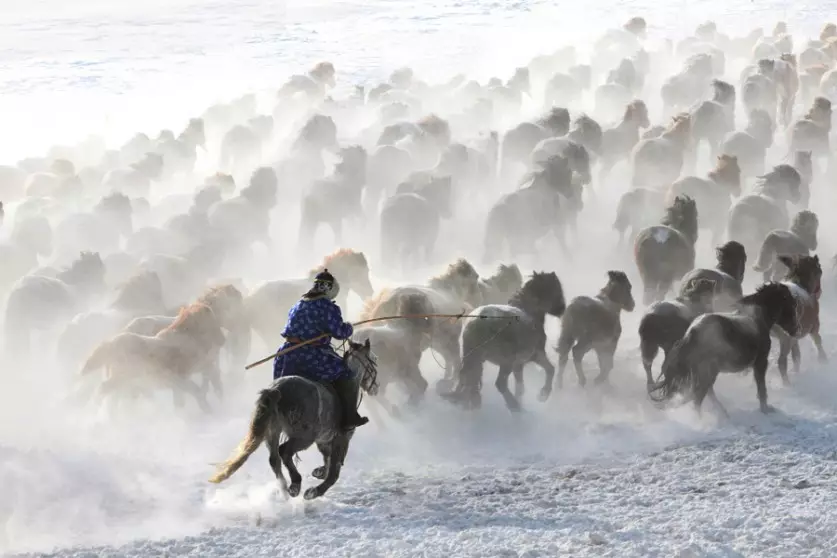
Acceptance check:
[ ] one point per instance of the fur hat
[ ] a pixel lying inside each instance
(325, 285)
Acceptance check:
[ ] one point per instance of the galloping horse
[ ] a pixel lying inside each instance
(304, 412)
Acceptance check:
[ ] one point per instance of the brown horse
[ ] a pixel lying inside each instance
(804, 279)
(170, 357)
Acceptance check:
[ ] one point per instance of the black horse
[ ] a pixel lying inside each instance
(665, 322)
(728, 342)
(727, 275)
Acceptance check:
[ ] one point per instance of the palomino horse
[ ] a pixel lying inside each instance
(305, 413)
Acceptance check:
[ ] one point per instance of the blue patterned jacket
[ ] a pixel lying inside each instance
(317, 361)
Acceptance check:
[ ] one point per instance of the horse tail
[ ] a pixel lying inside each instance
(765, 256)
(259, 425)
(676, 372)
(99, 358)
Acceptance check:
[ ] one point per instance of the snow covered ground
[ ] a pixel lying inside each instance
(586, 474)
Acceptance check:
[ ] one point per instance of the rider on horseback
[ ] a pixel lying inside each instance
(316, 314)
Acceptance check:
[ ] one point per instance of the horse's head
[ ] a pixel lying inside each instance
(805, 271)
(728, 172)
(263, 188)
(805, 225)
(579, 160)
(682, 215)
(700, 292)
(804, 163)
(557, 121)
(619, 290)
(784, 182)
(637, 112)
(761, 125)
(766, 66)
(732, 259)
(544, 291)
(364, 365)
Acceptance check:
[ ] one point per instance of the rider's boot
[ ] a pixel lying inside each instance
(347, 391)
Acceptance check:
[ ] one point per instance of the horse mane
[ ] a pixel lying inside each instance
(680, 124)
(802, 269)
(726, 166)
(558, 118)
(339, 255)
(697, 289)
(220, 292)
(372, 304)
(819, 107)
(116, 202)
(804, 219)
(632, 109)
(766, 292)
(186, 316)
(586, 123)
(460, 269)
(434, 126)
(614, 277)
(537, 286)
(556, 166)
(86, 263)
(139, 284)
(724, 91)
(682, 216)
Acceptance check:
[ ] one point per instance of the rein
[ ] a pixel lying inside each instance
(453, 318)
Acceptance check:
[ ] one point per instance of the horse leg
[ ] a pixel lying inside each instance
(581, 348)
(785, 343)
(417, 385)
(517, 371)
(502, 385)
(795, 356)
(605, 357)
(276, 464)
(287, 451)
(715, 401)
(707, 373)
(213, 378)
(817, 338)
(542, 360)
(565, 344)
(449, 347)
(648, 350)
(334, 462)
(320, 472)
(759, 374)
(182, 384)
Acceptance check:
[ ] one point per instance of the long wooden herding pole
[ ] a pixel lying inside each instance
(381, 319)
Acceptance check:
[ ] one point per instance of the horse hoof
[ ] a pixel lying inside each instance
(293, 490)
(444, 386)
(768, 409)
(544, 395)
(319, 473)
(311, 493)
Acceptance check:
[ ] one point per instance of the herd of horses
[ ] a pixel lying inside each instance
(150, 263)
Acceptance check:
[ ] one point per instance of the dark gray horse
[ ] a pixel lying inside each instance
(594, 323)
(513, 336)
(303, 412)
(727, 275)
(666, 252)
(800, 240)
(665, 322)
(728, 342)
